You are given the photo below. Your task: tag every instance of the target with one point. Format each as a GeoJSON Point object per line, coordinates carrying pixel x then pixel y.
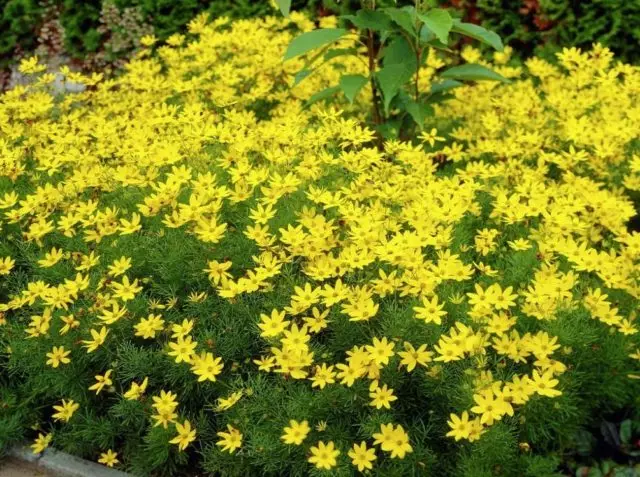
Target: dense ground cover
{"type": "Point", "coordinates": [191, 260]}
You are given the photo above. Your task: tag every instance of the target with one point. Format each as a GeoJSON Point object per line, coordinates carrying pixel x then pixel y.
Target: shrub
{"type": "Point", "coordinates": [195, 259]}
{"type": "Point", "coordinates": [545, 26]}
{"type": "Point", "coordinates": [17, 21]}
{"type": "Point", "coordinates": [397, 42]}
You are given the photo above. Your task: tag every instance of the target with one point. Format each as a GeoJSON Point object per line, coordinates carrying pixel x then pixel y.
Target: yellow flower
{"type": "Point", "coordinates": [185, 436]}
{"type": "Point", "coordinates": [460, 426]}
{"type": "Point", "coordinates": [101, 382]}
{"type": "Point", "coordinates": [411, 357]}
{"type": "Point", "coordinates": [166, 400]}
{"type": "Point", "coordinates": [66, 410]}
{"type": "Point", "coordinates": [228, 402]}
{"type": "Point", "coordinates": [183, 349]}
{"type": "Point", "coordinates": [109, 458]}
{"type": "Point", "coordinates": [430, 137]}
{"type": "Point", "coordinates": [182, 330]}
{"type": "Point", "coordinates": [362, 457]}
{"type": "Point", "coordinates": [126, 290]}
{"type": "Point", "coordinates": [130, 226]}
{"type": "Point", "coordinates": [148, 40]}
{"type": "Point", "coordinates": [206, 367]}
{"type": "Point", "coordinates": [519, 244]}
{"type": "Point", "coordinates": [381, 396]}
{"type": "Point", "coordinates": [6, 265]}
{"type": "Point", "coordinates": [323, 456]}
{"type": "Point", "coordinates": [544, 384]}
{"type": "Point", "coordinates": [273, 325]}
{"type": "Point", "coordinates": [119, 266]}
{"type": "Point", "coordinates": [70, 323]}
{"type": "Point", "coordinates": [197, 297]}
{"type": "Point", "coordinates": [136, 390]}
{"type": "Point", "coordinates": [97, 341]}
{"type": "Point", "coordinates": [218, 271]}
{"type": "Point", "coordinates": [296, 432]}
{"type": "Point", "coordinates": [430, 311]}
{"type": "Point", "coordinates": [148, 327]}
{"type": "Point", "coordinates": [380, 351]}
{"type": "Point", "coordinates": [31, 66]}
{"type": "Point", "coordinates": [41, 442]}
{"type": "Point", "coordinates": [323, 375]}
{"type": "Point", "coordinates": [51, 258]}
{"type": "Point", "coordinates": [230, 441]}
{"type": "Point", "coordinates": [57, 356]}
{"type": "Point", "coordinates": [395, 441]}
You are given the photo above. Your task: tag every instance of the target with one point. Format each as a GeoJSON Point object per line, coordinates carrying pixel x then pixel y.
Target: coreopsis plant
{"type": "Point", "coordinates": [199, 273]}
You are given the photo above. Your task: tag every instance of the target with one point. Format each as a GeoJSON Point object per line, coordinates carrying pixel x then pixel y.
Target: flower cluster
{"type": "Point", "coordinates": [191, 258]}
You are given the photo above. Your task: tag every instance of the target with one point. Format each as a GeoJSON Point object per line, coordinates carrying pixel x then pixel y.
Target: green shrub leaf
{"type": "Point", "coordinates": [301, 75]}
{"type": "Point", "coordinates": [391, 78]}
{"type": "Point", "coordinates": [369, 19]}
{"type": "Point", "coordinates": [625, 431]}
{"type": "Point", "coordinates": [313, 39]}
{"type": "Point", "coordinates": [336, 52]}
{"type": "Point", "coordinates": [351, 85]}
{"type": "Point", "coordinates": [472, 72]}
{"type": "Point", "coordinates": [323, 94]}
{"type": "Point", "coordinates": [284, 6]}
{"type": "Point", "coordinates": [418, 111]}
{"type": "Point", "coordinates": [439, 22]}
{"type": "Point", "coordinates": [478, 33]}
{"type": "Point", "coordinates": [402, 18]}
{"type": "Point", "coordinates": [399, 65]}
{"type": "Point", "coordinates": [445, 85]}
{"type": "Point", "coordinates": [399, 51]}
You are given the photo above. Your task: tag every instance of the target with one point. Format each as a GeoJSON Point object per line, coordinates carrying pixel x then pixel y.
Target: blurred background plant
{"type": "Point", "coordinates": [97, 33]}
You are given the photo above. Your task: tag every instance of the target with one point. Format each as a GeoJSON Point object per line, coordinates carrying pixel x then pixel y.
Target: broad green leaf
{"type": "Point", "coordinates": [399, 66]}
{"type": "Point", "coordinates": [351, 85]}
{"type": "Point", "coordinates": [472, 72]}
{"type": "Point", "coordinates": [402, 18]}
{"type": "Point", "coordinates": [399, 51]}
{"type": "Point", "coordinates": [336, 52]}
{"type": "Point", "coordinates": [284, 6]}
{"type": "Point", "coordinates": [428, 38]}
{"type": "Point", "coordinates": [418, 111]}
{"type": "Point", "coordinates": [625, 431]}
{"type": "Point", "coordinates": [301, 75]}
{"type": "Point", "coordinates": [313, 39]}
{"type": "Point", "coordinates": [390, 129]}
{"type": "Point", "coordinates": [439, 22]}
{"type": "Point", "coordinates": [478, 33]}
{"type": "Point", "coordinates": [391, 79]}
{"type": "Point", "coordinates": [324, 94]}
{"type": "Point", "coordinates": [584, 442]}
{"type": "Point", "coordinates": [444, 86]}
{"type": "Point", "coordinates": [369, 19]}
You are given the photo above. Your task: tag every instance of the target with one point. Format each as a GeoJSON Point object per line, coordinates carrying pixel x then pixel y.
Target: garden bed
{"type": "Point", "coordinates": [199, 272]}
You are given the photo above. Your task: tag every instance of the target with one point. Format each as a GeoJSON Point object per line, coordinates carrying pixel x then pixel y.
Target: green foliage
{"type": "Point", "coordinates": [472, 72]}
{"type": "Point", "coordinates": [545, 26]}
{"type": "Point", "coordinates": [542, 26]}
{"type": "Point", "coordinates": [17, 21]}
{"type": "Point", "coordinates": [313, 39]}
{"type": "Point", "coordinates": [397, 42]}
{"type": "Point", "coordinates": [80, 21]}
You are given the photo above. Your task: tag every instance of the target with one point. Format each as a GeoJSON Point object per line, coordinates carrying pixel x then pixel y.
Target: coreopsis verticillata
{"type": "Point", "coordinates": [296, 432]}
{"type": "Point", "coordinates": [109, 458]}
{"type": "Point", "coordinates": [323, 456]}
{"type": "Point", "coordinates": [190, 227]}
{"type": "Point", "coordinates": [185, 436]}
